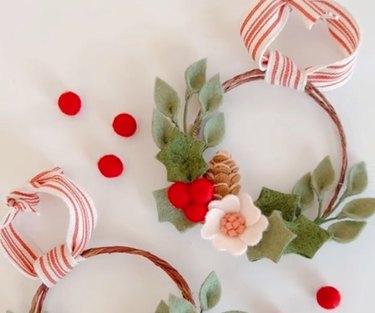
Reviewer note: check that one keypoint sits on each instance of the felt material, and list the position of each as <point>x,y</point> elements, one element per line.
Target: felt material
<point>328,297</point>
<point>214,130</point>
<point>163,130</point>
<point>346,231</point>
<point>234,246</point>
<point>179,305</point>
<point>251,216</point>
<point>196,212</point>
<point>304,190</point>
<point>211,95</point>
<point>162,307</point>
<point>358,209</point>
<point>357,180</point>
<point>110,166</point>
<point>124,125</point>
<point>202,191</point>
<point>195,76</point>
<point>69,103</point>
<point>166,99</point>
<point>229,203</point>
<point>212,227</point>
<point>179,195</point>
<point>210,292</point>
<point>323,176</point>
<point>253,234</point>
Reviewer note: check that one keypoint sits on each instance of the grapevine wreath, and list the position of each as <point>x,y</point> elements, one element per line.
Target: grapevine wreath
<point>209,193</point>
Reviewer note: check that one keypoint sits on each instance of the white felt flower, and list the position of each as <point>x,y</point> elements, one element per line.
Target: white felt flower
<point>234,223</point>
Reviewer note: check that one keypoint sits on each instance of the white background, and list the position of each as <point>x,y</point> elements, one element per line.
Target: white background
<point>110,52</point>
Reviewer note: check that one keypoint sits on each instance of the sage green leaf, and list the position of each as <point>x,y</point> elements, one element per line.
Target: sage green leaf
<point>179,305</point>
<point>211,95</point>
<point>358,209</point>
<point>162,308</point>
<point>323,176</point>
<point>346,231</point>
<point>210,292</point>
<point>270,200</point>
<point>195,76</point>
<point>214,130</point>
<point>310,237</point>
<point>304,190</point>
<point>357,180</point>
<point>168,213</point>
<point>183,158</point>
<point>163,129</point>
<point>166,99</point>
<point>274,242</point>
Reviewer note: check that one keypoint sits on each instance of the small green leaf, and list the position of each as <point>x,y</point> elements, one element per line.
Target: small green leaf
<point>163,129</point>
<point>357,180</point>
<point>211,95</point>
<point>210,292</point>
<point>346,231</point>
<point>179,305</point>
<point>323,176</point>
<point>358,209</point>
<point>162,308</point>
<point>214,130</point>
<point>195,76</point>
<point>168,213</point>
<point>166,99</point>
<point>304,190</point>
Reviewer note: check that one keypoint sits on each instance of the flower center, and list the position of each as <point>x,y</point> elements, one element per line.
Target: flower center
<point>232,224</point>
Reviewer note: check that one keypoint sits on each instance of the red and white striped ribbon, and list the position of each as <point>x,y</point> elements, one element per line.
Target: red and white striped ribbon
<point>267,18</point>
<point>52,266</point>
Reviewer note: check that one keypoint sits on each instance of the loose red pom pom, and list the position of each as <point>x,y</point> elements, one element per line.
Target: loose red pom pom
<point>69,103</point>
<point>202,191</point>
<point>124,125</point>
<point>196,213</point>
<point>179,195</point>
<point>328,297</point>
<point>110,166</point>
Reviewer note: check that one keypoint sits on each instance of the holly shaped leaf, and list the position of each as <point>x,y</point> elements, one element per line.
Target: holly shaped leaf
<point>357,180</point>
<point>179,305</point>
<point>210,292</point>
<point>304,190</point>
<point>358,209</point>
<point>346,231</point>
<point>162,308</point>
<point>195,76</point>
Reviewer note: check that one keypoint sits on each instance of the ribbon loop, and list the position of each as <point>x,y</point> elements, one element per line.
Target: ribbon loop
<point>22,201</point>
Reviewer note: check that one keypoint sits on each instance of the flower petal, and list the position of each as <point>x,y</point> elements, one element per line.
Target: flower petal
<point>254,234</point>
<point>229,203</point>
<point>234,246</point>
<point>212,225</point>
<point>248,209</point>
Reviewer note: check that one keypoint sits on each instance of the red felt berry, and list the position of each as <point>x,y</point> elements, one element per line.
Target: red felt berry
<point>202,191</point>
<point>328,297</point>
<point>110,166</point>
<point>124,125</point>
<point>196,213</point>
<point>69,103</point>
<point>179,195</point>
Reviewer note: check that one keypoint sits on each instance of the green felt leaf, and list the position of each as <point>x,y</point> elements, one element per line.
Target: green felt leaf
<point>168,213</point>
<point>166,99</point>
<point>214,130</point>
<point>274,242</point>
<point>304,190</point>
<point>358,209</point>
<point>162,308</point>
<point>310,237</point>
<point>346,231</point>
<point>211,95</point>
<point>357,180</point>
<point>210,292</point>
<point>179,305</point>
<point>323,176</point>
<point>163,129</point>
<point>270,200</point>
<point>195,76</point>
<point>183,158</point>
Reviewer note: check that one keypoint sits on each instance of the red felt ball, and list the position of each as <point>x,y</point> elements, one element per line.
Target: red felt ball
<point>328,297</point>
<point>196,213</point>
<point>179,195</point>
<point>202,191</point>
<point>124,125</point>
<point>69,103</point>
<point>110,166</point>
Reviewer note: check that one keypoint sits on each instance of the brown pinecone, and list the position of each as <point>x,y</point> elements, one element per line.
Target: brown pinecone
<point>223,172</point>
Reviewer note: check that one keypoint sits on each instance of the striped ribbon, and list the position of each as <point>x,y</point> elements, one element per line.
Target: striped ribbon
<point>52,266</point>
<point>267,18</point>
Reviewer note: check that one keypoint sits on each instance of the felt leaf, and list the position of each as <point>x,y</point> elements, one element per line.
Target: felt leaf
<point>357,180</point>
<point>358,209</point>
<point>195,76</point>
<point>163,129</point>
<point>304,190</point>
<point>323,176</point>
<point>179,305</point>
<point>310,237</point>
<point>210,292</point>
<point>168,213</point>
<point>162,308</point>
<point>346,231</point>
<point>211,95</point>
<point>270,200</point>
<point>274,242</point>
<point>166,99</point>
<point>182,157</point>
<point>214,130</point>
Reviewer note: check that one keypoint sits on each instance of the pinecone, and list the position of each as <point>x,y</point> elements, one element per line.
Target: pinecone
<point>223,172</point>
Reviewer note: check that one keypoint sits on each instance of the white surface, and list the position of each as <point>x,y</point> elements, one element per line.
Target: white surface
<point>110,52</point>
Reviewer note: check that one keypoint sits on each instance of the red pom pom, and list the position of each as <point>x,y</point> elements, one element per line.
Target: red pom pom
<point>328,297</point>
<point>69,103</point>
<point>202,191</point>
<point>124,125</point>
<point>110,166</point>
<point>179,195</point>
<point>196,213</point>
